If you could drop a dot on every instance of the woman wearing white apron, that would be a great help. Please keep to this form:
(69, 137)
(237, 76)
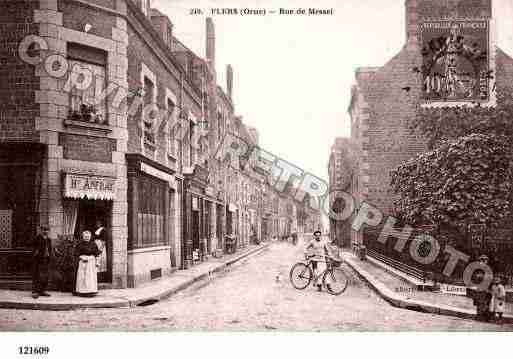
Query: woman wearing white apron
(86, 276)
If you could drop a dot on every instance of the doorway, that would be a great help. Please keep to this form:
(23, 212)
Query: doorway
(195, 231)
(89, 211)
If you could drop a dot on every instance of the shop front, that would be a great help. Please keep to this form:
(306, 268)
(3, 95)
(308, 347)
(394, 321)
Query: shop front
(87, 206)
(20, 188)
(197, 218)
(153, 230)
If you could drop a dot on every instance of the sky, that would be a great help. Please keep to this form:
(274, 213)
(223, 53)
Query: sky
(293, 74)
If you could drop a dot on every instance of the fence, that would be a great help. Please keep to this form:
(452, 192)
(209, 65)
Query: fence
(497, 246)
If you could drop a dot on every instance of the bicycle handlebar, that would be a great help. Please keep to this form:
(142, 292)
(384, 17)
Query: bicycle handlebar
(326, 258)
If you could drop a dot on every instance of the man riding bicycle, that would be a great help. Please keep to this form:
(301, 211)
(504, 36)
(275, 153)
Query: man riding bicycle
(317, 251)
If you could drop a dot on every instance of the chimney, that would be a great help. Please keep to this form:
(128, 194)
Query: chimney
(211, 44)
(163, 25)
(145, 6)
(229, 80)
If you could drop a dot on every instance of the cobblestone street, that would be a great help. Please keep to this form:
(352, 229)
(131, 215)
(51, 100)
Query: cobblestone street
(249, 296)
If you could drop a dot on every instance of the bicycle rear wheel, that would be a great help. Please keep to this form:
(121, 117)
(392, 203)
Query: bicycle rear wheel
(337, 281)
(300, 276)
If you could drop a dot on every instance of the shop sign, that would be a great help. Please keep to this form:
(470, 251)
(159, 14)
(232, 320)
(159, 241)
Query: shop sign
(195, 204)
(232, 207)
(90, 187)
(159, 174)
(456, 61)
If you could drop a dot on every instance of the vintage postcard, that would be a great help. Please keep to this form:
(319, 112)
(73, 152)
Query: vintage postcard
(257, 166)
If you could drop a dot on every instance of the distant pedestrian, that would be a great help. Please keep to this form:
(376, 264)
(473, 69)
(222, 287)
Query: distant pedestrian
(498, 297)
(294, 238)
(41, 254)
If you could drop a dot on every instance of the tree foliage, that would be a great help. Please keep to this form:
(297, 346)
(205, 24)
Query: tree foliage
(437, 125)
(462, 181)
(467, 175)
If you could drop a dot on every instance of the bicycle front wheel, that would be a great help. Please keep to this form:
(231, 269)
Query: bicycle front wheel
(335, 281)
(300, 276)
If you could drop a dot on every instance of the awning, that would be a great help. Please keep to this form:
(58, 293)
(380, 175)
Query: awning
(90, 187)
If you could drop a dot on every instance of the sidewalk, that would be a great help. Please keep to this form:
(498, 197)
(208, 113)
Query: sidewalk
(130, 297)
(403, 294)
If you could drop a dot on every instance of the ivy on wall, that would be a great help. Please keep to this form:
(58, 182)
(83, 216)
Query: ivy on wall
(466, 177)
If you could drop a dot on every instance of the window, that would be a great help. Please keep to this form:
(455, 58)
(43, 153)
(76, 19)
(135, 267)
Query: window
(144, 6)
(193, 148)
(171, 108)
(219, 126)
(149, 95)
(151, 214)
(178, 135)
(84, 104)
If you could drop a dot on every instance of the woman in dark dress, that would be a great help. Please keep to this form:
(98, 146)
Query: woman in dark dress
(86, 252)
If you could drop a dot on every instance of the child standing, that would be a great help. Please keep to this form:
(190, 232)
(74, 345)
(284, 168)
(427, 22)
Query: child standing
(498, 297)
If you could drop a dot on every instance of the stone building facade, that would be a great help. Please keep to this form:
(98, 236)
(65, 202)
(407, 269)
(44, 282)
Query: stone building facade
(340, 174)
(106, 116)
(69, 159)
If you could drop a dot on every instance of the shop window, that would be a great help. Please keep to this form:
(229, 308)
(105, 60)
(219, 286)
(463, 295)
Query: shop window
(151, 213)
(172, 215)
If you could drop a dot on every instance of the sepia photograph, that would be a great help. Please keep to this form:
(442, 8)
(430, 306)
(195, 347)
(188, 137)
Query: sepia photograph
(255, 166)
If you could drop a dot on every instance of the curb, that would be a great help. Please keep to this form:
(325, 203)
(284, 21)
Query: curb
(412, 304)
(172, 291)
(124, 302)
(419, 285)
(121, 303)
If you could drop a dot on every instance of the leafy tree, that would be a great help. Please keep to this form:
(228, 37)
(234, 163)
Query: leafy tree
(437, 125)
(465, 180)
(467, 175)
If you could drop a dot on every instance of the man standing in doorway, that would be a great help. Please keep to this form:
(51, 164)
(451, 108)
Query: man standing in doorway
(41, 253)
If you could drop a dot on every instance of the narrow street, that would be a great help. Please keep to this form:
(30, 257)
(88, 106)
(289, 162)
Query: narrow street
(253, 295)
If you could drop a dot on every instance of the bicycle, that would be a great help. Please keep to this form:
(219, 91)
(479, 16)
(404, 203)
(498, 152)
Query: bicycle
(302, 274)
